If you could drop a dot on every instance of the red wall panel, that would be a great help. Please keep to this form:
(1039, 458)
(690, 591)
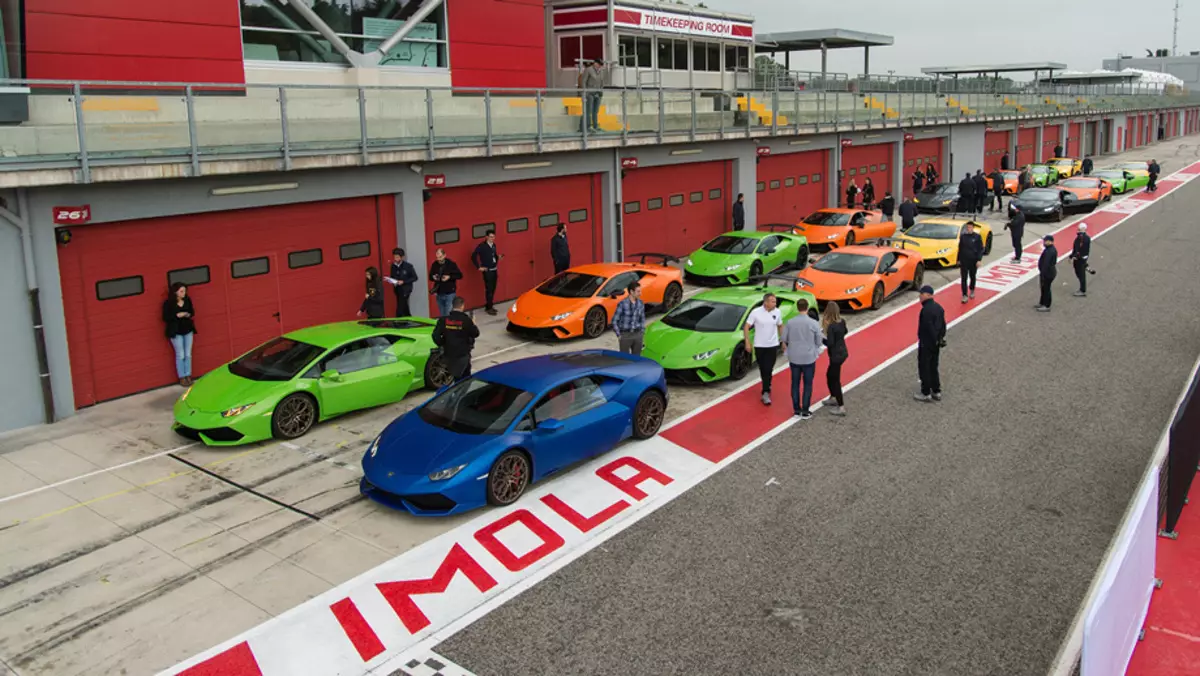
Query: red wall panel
(995, 144)
(860, 162)
(681, 229)
(1026, 152)
(1074, 139)
(497, 43)
(919, 154)
(1051, 136)
(133, 40)
(793, 186)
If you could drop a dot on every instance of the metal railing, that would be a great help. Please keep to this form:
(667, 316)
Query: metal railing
(81, 126)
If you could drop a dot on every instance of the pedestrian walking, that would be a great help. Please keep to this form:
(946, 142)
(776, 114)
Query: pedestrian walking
(997, 203)
(1047, 271)
(931, 174)
(1155, 170)
(766, 321)
(801, 341)
(1080, 250)
(629, 321)
(739, 212)
(888, 206)
(1004, 161)
(834, 328)
(443, 281)
(560, 250)
(918, 180)
(981, 190)
(455, 332)
(908, 213)
(1016, 229)
(970, 252)
(966, 195)
(402, 277)
(1087, 165)
(868, 193)
(372, 305)
(591, 81)
(851, 193)
(179, 315)
(486, 258)
(931, 338)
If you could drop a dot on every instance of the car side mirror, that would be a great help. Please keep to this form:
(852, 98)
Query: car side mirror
(616, 294)
(331, 375)
(892, 270)
(549, 425)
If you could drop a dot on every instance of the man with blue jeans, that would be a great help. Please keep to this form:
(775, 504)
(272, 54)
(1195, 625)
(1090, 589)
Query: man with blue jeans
(801, 341)
(592, 83)
(443, 279)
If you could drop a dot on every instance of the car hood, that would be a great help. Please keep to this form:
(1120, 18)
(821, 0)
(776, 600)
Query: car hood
(927, 199)
(410, 446)
(663, 341)
(831, 282)
(1085, 193)
(817, 234)
(535, 305)
(221, 390)
(1034, 206)
(709, 263)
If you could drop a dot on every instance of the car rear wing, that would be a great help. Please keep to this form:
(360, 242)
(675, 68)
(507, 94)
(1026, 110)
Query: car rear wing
(665, 258)
(778, 227)
(893, 241)
(763, 281)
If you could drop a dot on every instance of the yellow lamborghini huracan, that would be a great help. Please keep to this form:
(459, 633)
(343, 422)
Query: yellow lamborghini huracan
(936, 239)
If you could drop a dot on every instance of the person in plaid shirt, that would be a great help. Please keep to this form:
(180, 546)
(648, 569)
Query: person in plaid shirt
(629, 321)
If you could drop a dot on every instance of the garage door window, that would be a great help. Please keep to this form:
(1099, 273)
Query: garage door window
(853, 171)
(480, 231)
(355, 250)
(633, 207)
(816, 178)
(862, 170)
(119, 288)
(774, 185)
(517, 225)
(548, 220)
(577, 216)
(696, 197)
(304, 259)
(883, 167)
(874, 168)
(447, 236)
(189, 276)
(802, 180)
(714, 194)
(761, 187)
(676, 200)
(251, 267)
(789, 182)
(653, 203)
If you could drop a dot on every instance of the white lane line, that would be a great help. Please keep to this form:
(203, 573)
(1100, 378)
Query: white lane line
(92, 474)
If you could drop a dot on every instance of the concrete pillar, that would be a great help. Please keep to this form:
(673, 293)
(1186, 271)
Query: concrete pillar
(612, 215)
(833, 190)
(410, 236)
(898, 176)
(966, 147)
(1037, 144)
(745, 180)
(824, 59)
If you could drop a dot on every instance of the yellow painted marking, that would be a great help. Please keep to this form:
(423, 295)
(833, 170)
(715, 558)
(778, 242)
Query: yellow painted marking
(522, 103)
(148, 104)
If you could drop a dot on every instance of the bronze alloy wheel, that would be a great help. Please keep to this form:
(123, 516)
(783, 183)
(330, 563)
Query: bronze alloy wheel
(918, 276)
(672, 296)
(508, 479)
(437, 372)
(294, 416)
(877, 296)
(648, 414)
(594, 322)
(850, 238)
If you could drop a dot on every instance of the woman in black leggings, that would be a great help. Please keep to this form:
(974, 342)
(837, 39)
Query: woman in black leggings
(834, 328)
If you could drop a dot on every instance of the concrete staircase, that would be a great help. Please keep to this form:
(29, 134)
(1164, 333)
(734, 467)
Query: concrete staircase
(606, 120)
(749, 103)
(875, 104)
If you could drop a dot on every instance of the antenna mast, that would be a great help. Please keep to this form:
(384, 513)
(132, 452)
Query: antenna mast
(1175, 32)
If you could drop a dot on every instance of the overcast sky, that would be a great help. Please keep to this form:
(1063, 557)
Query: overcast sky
(1080, 33)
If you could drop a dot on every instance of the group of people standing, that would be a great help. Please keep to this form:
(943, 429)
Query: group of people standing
(801, 339)
(920, 179)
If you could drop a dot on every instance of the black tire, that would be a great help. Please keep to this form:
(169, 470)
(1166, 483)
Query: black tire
(877, 296)
(594, 322)
(508, 478)
(294, 416)
(987, 245)
(739, 363)
(756, 269)
(437, 371)
(802, 257)
(672, 297)
(918, 276)
(648, 414)
(850, 238)
(1058, 216)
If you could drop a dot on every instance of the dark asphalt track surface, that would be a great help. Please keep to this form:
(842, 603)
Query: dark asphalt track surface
(953, 538)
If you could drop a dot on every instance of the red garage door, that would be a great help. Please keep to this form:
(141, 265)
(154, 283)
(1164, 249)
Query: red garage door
(791, 186)
(253, 274)
(1074, 139)
(995, 144)
(677, 208)
(524, 216)
(873, 161)
(1141, 130)
(919, 154)
(1050, 137)
(1026, 153)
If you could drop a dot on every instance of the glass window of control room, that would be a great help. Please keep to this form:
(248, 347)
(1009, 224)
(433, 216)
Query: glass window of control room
(274, 31)
(636, 51)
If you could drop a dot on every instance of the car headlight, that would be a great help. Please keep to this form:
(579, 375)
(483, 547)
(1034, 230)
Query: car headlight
(443, 474)
(374, 447)
(731, 268)
(947, 202)
(689, 263)
(855, 290)
(560, 317)
(236, 410)
(186, 392)
(513, 308)
(834, 236)
(943, 252)
(706, 355)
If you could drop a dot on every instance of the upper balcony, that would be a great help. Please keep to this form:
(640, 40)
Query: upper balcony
(85, 132)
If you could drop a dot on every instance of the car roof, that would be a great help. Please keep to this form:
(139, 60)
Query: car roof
(535, 374)
(611, 269)
(332, 335)
(946, 220)
(746, 295)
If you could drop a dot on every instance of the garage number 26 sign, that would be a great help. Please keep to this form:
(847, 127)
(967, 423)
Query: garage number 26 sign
(72, 215)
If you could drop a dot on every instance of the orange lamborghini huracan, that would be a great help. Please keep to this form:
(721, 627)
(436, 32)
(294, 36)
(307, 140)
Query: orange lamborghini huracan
(580, 301)
(833, 228)
(1088, 192)
(863, 276)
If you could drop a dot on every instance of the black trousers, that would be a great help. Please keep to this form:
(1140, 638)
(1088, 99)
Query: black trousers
(489, 288)
(967, 270)
(560, 265)
(1016, 243)
(979, 200)
(1081, 273)
(766, 357)
(928, 358)
(402, 309)
(1153, 184)
(1047, 284)
(460, 367)
(997, 202)
(833, 381)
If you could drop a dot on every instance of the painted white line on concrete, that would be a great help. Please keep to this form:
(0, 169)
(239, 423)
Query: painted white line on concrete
(92, 474)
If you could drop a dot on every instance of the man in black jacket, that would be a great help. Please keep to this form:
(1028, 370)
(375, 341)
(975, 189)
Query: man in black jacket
(1154, 172)
(970, 252)
(488, 261)
(1016, 228)
(981, 190)
(1004, 162)
(560, 251)
(455, 333)
(908, 213)
(402, 277)
(888, 206)
(739, 212)
(1058, 151)
(931, 337)
(1047, 272)
(1080, 250)
(443, 280)
(1023, 180)
(966, 196)
(997, 191)
(1087, 166)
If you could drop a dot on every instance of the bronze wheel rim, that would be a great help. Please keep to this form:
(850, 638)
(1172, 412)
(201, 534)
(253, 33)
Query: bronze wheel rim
(919, 277)
(439, 372)
(593, 324)
(650, 415)
(877, 297)
(510, 478)
(295, 416)
(674, 294)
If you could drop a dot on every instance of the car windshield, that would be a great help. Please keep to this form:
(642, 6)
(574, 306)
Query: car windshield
(571, 285)
(278, 359)
(1039, 196)
(1078, 183)
(1109, 174)
(726, 244)
(705, 316)
(939, 189)
(929, 230)
(845, 263)
(475, 406)
(1039, 170)
(828, 218)
(1135, 166)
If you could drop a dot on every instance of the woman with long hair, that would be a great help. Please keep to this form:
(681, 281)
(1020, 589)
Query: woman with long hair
(931, 175)
(834, 328)
(372, 305)
(868, 193)
(178, 314)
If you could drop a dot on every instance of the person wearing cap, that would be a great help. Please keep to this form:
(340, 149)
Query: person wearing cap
(970, 252)
(1080, 250)
(931, 336)
(1047, 271)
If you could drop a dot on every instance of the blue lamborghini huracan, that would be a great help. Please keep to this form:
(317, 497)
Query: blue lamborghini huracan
(485, 439)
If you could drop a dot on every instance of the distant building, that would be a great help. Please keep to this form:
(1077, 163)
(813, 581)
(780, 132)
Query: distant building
(1186, 68)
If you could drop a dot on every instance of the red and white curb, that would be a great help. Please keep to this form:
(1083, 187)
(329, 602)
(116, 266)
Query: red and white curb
(393, 615)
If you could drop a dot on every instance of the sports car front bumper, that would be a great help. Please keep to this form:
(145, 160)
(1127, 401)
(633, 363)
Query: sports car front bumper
(214, 430)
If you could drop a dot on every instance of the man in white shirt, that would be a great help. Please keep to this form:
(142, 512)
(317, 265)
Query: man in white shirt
(766, 321)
